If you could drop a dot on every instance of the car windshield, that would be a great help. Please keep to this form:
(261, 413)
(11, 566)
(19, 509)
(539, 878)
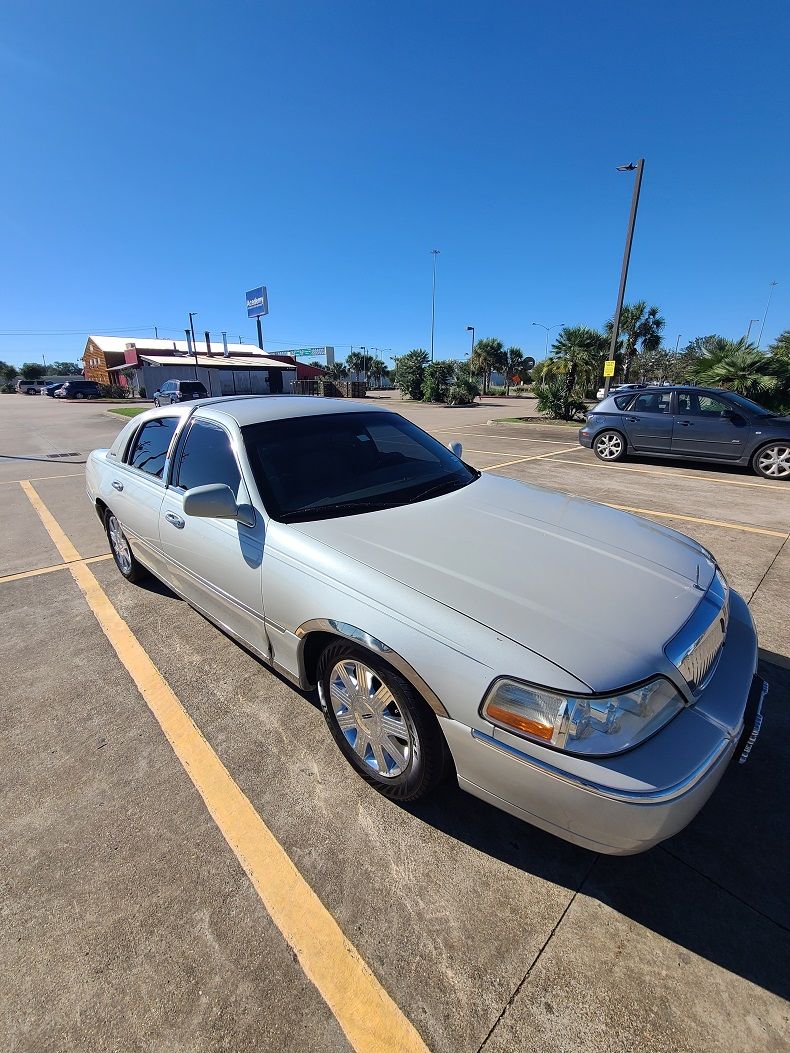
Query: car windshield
(334, 464)
(747, 405)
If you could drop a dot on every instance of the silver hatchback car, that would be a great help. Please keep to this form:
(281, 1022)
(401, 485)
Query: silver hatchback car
(354, 553)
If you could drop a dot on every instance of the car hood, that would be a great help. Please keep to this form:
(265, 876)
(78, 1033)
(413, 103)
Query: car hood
(596, 591)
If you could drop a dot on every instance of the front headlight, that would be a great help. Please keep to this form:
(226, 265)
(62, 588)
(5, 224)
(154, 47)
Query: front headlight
(587, 725)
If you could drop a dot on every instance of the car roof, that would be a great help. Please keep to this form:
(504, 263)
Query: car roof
(254, 409)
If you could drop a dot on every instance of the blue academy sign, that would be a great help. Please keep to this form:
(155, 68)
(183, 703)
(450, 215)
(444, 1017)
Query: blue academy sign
(257, 302)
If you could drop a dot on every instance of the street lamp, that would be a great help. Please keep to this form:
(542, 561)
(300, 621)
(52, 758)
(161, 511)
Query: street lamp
(548, 328)
(748, 331)
(770, 294)
(192, 316)
(471, 329)
(639, 168)
(434, 253)
(677, 342)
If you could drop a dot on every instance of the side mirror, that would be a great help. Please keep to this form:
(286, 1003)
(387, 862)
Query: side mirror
(729, 414)
(216, 501)
(456, 448)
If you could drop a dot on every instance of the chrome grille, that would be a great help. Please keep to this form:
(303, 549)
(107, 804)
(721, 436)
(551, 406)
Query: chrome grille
(695, 650)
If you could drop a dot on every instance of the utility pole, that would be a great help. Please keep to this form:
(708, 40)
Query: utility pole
(677, 342)
(192, 346)
(156, 333)
(434, 253)
(749, 329)
(192, 316)
(639, 168)
(770, 294)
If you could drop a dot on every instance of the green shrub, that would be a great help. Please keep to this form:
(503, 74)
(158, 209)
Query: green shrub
(554, 401)
(113, 391)
(410, 372)
(437, 378)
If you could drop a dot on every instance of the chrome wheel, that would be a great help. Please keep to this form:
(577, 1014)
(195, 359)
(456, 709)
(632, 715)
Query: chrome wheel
(119, 545)
(369, 718)
(774, 462)
(609, 446)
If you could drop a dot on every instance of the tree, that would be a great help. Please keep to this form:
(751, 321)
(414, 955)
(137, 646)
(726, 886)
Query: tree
(64, 369)
(32, 371)
(514, 366)
(377, 371)
(781, 346)
(488, 355)
(640, 329)
(437, 380)
(654, 366)
(409, 373)
(741, 367)
(575, 363)
(337, 371)
(355, 363)
(7, 372)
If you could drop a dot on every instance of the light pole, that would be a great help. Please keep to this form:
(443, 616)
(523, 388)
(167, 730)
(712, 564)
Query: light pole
(548, 328)
(748, 331)
(434, 253)
(471, 329)
(364, 362)
(639, 168)
(770, 294)
(192, 316)
(677, 342)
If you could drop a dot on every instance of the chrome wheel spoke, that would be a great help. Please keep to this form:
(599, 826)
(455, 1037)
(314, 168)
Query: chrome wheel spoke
(369, 718)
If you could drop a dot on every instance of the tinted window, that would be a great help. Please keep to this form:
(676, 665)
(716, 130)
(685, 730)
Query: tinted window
(695, 405)
(191, 387)
(652, 402)
(333, 464)
(207, 457)
(150, 447)
(621, 401)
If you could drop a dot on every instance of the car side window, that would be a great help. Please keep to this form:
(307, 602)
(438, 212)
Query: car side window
(652, 402)
(693, 405)
(621, 401)
(149, 450)
(207, 457)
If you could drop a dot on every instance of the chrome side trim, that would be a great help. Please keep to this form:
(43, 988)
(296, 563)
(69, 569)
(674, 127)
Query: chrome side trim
(639, 797)
(211, 587)
(351, 632)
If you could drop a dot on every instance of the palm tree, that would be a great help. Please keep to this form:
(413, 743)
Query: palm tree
(356, 362)
(488, 355)
(377, 371)
(781, 346)
(514, 366)
(741, 367)
(640, 329)
(575, 363)
(337, 371)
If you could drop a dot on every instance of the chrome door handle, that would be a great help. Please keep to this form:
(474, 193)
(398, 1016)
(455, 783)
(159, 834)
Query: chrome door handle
(118, 486)
(684, 423)
(632, 420)
(177, 521)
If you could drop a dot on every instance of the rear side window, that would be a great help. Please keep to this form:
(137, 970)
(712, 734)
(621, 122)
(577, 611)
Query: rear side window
(621, 401)
(207, 457)
(149, 451)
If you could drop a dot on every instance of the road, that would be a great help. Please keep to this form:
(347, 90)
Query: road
(140, 903)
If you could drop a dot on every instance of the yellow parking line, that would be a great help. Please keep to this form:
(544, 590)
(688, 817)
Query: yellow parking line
(49, 570)
(677, 474)
(696, 519)
(369, 1018)
(38, 478)
(520, 460)
(506, 438)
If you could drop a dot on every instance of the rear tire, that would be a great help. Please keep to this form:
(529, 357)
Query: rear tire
(772, 461)
(77, 394)
(122, 550)
(385, 730)
(609, 446)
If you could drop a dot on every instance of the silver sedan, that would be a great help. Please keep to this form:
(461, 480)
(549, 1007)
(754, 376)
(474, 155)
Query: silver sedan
(355, 554)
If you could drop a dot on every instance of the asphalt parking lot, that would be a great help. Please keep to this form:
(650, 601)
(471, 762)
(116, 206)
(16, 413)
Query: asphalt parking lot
(135, 917)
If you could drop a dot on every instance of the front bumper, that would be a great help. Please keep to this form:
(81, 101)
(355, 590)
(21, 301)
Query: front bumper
(628, 803)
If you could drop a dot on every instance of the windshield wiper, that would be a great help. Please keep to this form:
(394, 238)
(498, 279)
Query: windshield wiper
(336, 506)
(446, 485)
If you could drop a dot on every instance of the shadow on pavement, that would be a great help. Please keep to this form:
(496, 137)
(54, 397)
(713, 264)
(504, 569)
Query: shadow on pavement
(717, 889)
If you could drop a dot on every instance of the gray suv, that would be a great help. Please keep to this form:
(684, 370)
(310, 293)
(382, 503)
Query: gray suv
(688, 423)
(179, 391)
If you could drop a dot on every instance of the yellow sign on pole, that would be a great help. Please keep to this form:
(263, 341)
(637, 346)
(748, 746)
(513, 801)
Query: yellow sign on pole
(608, 367)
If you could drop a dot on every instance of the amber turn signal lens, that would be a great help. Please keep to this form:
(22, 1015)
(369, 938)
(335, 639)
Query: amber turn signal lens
(519, 722)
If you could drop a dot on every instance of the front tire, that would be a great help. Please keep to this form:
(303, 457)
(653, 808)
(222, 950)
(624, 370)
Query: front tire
(382, 726)
(772, 461)
(156, 403)
(122, 550)
(609, 446)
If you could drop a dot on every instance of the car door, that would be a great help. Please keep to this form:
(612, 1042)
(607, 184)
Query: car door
(136, 487)
(708, 426)
(214, 563)
(648, 422)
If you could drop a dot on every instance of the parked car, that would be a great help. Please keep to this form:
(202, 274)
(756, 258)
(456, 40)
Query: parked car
(618, 390)
(30, 387)
(79, 389)
(179, 391)
(50, 389)
(689, 423)
(361, 572)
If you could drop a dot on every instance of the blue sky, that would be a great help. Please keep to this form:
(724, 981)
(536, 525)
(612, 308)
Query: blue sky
(160, 158)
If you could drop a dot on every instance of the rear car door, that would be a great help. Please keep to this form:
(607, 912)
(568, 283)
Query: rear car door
(136, 488)
(648, 422)
(214, 563)
(706, 426)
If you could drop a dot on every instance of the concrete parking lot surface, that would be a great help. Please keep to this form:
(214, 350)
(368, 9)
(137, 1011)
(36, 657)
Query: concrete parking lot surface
(135, 918)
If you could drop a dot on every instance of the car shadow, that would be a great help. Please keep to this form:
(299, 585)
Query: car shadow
(714, 467)
(717, 889)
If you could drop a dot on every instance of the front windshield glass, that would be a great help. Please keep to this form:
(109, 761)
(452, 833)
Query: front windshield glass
(747, 405)
(334, 464)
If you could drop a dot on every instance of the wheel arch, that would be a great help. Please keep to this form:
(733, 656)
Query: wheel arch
(315, 634)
